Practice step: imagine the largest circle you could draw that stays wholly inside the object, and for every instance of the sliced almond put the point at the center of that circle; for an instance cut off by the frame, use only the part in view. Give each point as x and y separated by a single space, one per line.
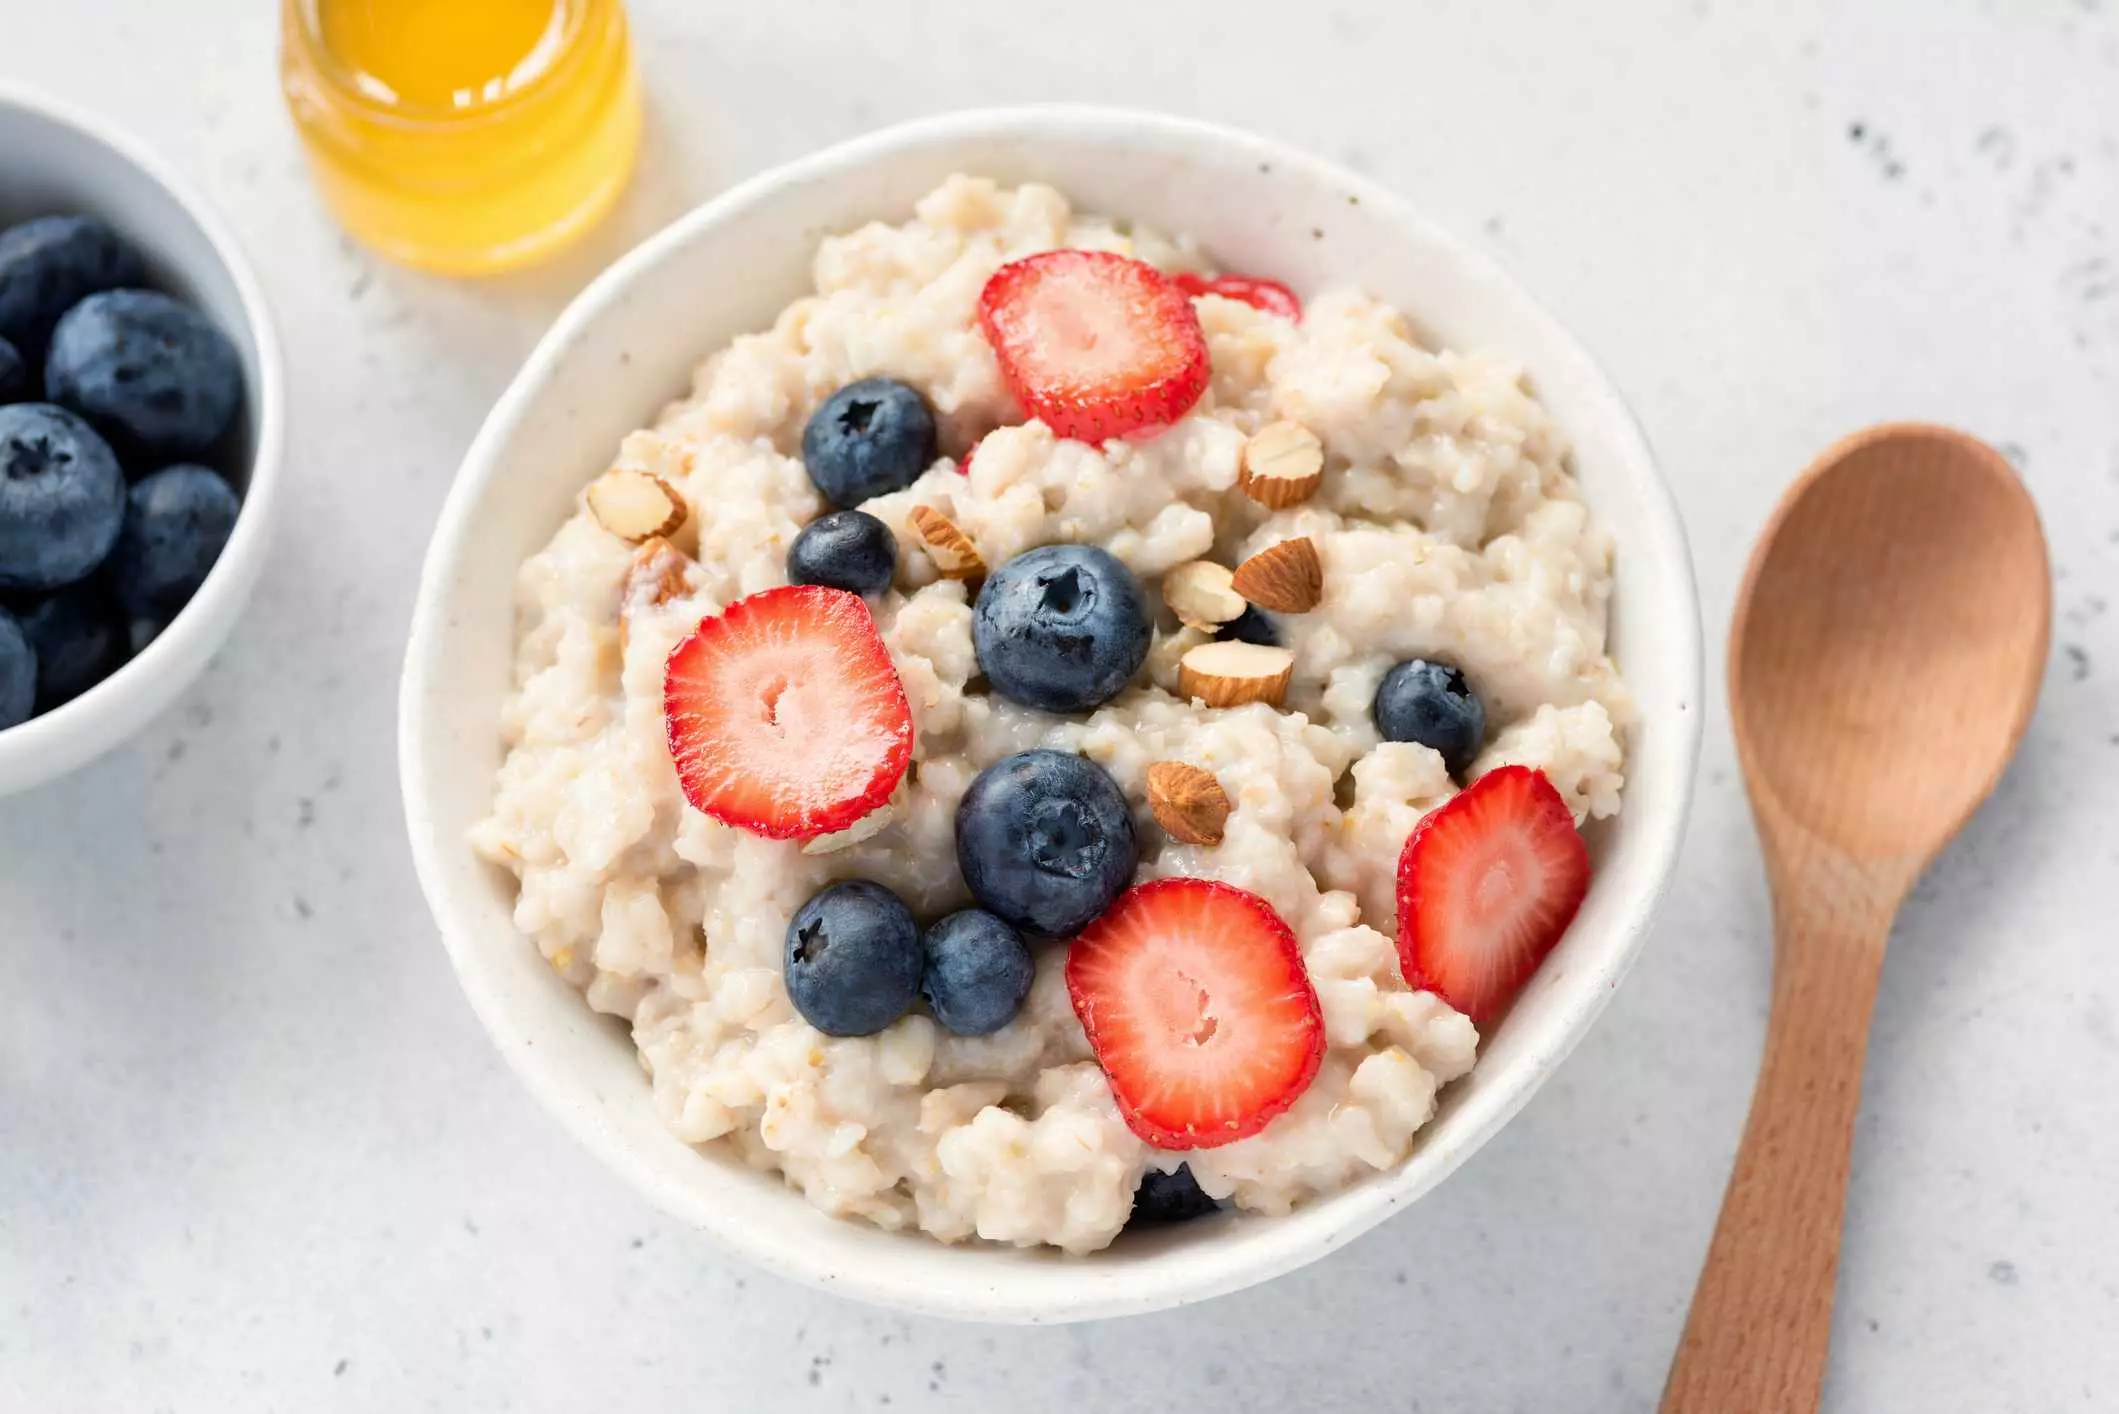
636 505
1283 463
950 548
1287 578
1202 595
1230 672
661 572
1187 802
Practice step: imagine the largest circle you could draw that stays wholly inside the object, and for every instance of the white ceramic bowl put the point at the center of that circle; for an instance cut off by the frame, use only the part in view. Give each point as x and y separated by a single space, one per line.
54 159
628 344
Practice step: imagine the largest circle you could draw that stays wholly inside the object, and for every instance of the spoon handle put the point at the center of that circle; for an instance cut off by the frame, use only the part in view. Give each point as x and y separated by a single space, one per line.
1762 1314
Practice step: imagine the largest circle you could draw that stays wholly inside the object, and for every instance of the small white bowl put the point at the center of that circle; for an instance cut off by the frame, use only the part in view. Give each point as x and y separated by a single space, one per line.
628 344
56 160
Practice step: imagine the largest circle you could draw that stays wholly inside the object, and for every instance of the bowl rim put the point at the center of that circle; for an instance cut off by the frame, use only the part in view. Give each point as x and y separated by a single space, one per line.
84 727
1294 1244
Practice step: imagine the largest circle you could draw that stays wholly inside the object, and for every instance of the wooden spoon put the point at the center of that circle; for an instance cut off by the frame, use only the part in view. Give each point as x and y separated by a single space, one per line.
1884 660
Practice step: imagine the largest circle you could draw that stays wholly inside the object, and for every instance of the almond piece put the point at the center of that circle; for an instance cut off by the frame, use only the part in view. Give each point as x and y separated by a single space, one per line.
1283 463
636 505
1187 802
950 548
1230 672
661 572
1287 578
1201 594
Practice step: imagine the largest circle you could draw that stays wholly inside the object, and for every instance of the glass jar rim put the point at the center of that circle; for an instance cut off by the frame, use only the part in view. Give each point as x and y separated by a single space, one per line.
301 23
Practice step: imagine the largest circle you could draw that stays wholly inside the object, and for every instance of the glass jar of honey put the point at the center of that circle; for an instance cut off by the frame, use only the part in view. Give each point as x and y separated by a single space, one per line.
463 136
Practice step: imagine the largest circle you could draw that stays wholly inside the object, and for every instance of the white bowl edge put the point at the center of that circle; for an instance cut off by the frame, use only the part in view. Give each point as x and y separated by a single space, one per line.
773 1226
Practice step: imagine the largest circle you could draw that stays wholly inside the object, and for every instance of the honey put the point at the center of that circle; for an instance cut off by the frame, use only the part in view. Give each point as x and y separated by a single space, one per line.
463 136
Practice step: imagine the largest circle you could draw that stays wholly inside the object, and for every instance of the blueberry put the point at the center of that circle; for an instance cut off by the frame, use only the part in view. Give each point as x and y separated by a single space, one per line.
14 374
62 497
18 673
1044 840
49 265
868 439
1061 628
1165 1198
1432 704
155 377
1252 626
849 550
176 522
80 640
978 972
853 959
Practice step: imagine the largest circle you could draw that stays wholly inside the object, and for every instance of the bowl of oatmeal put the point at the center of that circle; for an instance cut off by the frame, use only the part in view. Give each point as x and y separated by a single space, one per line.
1048 713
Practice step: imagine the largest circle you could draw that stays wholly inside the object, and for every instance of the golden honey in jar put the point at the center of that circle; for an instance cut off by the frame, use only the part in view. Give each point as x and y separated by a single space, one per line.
464 136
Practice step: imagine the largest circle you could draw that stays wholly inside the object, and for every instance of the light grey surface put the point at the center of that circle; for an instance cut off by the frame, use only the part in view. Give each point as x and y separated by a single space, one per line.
255 1153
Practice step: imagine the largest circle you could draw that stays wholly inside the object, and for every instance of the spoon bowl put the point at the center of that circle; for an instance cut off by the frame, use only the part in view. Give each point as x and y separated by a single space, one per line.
1886 653
1889 641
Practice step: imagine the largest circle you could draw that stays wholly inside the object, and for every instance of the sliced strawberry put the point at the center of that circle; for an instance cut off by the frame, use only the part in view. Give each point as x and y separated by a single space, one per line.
785 715
1096 345
1254 290
1198 1008
1486 886
963 465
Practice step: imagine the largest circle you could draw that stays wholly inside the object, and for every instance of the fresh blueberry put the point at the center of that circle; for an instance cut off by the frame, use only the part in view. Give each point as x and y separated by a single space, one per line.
1165 1198
18 673
1061 628
176 522
62 497
80 639
49 265
154 376
1432 704
14 374
978 972
1252 626
849 550
853 959
1044 840
868 439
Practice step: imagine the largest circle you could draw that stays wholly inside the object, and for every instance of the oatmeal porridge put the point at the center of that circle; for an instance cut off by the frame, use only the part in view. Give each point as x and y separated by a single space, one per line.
1366 589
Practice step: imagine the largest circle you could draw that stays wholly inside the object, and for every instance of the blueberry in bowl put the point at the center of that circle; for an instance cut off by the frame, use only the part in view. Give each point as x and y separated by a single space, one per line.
177 521
50 264
18 672
1045 841
62 498
1061 628
152 374
849 550
14 374
868 439
1431 703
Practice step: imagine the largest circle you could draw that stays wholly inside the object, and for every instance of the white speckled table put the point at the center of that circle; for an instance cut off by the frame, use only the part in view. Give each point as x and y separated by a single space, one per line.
255 1153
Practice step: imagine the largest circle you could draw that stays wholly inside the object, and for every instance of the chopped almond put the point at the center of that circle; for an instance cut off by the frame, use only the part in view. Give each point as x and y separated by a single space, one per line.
950 548
1287 578
1202 595
1230 672
1188 802
1283 464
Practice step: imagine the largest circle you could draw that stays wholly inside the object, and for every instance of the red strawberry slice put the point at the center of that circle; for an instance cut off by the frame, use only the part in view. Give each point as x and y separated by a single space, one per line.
1094 344
1198 1009
1254 290
785 715
1486 886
